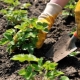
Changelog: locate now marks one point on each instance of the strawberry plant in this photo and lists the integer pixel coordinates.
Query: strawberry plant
(46, 70)
(69, 8)
(24, 33)
(74, 53)
(23, 36)
(13, 14)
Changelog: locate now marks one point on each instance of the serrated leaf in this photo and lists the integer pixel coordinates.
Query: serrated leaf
(49, 65)
(24, 57)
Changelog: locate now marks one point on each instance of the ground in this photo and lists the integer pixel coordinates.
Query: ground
(69, 65)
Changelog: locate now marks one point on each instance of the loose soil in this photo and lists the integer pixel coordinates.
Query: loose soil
(69, 65)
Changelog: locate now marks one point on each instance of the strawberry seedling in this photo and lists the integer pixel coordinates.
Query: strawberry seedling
(46, 70)
(14, 12)
(69, 8)
(23, 36)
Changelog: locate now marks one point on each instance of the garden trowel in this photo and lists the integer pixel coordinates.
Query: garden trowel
(58, 51)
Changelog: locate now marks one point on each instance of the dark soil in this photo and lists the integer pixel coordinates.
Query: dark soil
(69, 65)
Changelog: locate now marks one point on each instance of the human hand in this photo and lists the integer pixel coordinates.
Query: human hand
(48, 16)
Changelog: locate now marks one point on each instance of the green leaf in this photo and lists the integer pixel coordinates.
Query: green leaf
(25, 46)
(40, 26)
(46, 30)
(11, 2)
(8, 1)
(64, 78)
(24, 57)
(50, 75)
(40, 62)
(16, 3)
(20, 57)
(12, 42)
(25, 5)
(30, 34)
(58, 73)
(8, 36)
(36, 67)
(31, 48)
(17, 27)
(10, 48)
(53, 74)
(3, 41)
(10, 31)
(49, 65)
(31, 57)
(3, 11)
(28, 72)
(22, 72)
(74, 53)
(45, 24)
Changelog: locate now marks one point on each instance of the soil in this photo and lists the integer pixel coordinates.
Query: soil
(69, 65)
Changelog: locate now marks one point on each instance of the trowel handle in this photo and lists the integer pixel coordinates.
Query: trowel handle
(75, 34)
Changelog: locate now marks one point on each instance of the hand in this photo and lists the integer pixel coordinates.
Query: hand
(71, 43)
(48, 16)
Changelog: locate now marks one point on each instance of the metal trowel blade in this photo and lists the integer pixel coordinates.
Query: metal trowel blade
(58, 51)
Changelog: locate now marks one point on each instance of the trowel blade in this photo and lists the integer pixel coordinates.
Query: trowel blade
(58, 51)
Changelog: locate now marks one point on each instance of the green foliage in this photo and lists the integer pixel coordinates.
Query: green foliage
(23, 36)
(74, 53)
(24, 33)
(15, 13)
(14, 16)
(24, 57)
(11, 2)
(69, 8)
(64, 78)
(47, 69)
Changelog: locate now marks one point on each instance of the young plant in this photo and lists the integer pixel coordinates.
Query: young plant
(14, 12)
(13, 3)
(74, 53)
(69, 8)
(47, 70)
(24, 36)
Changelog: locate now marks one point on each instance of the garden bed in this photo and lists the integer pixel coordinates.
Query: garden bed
(69, 65)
